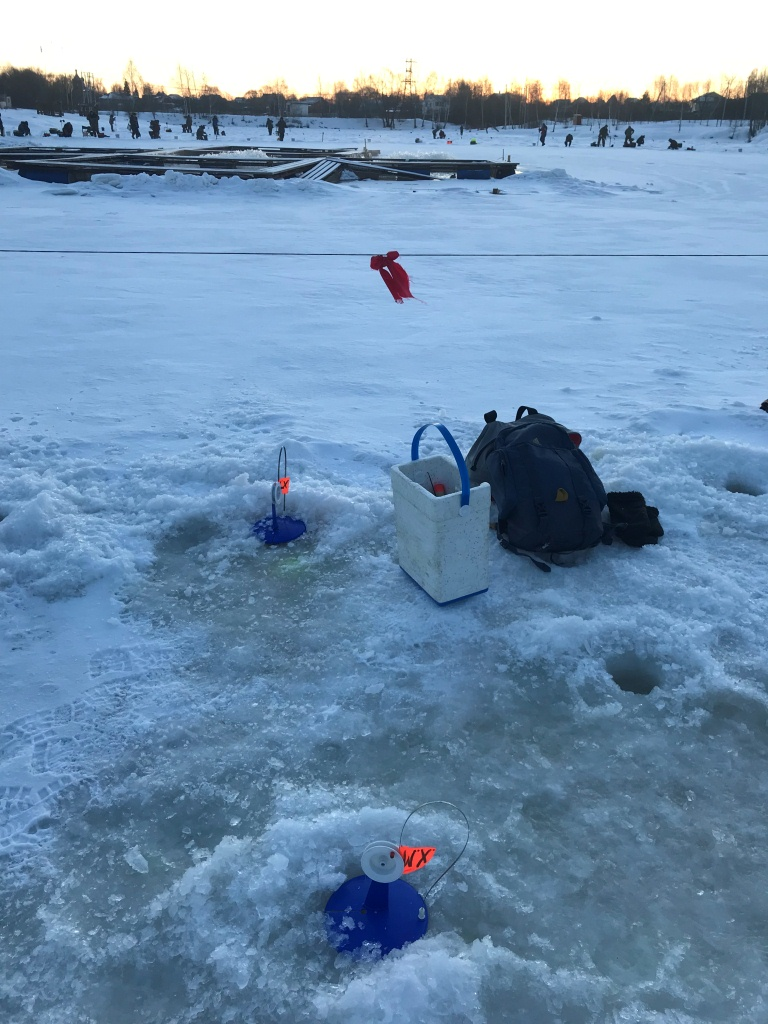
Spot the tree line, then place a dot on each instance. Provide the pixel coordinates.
(472, 103)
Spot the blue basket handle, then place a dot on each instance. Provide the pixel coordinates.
(463, 474)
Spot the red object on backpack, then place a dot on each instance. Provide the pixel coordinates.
(394, 276)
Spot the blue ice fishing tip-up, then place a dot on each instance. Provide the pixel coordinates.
(377, 911)
(274, 528)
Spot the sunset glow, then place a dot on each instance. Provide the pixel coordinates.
(313, 47)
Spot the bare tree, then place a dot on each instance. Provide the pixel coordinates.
(131, 75)
(185, 83)
(564, 90)
(534, 92)
(430, 84)
(133, 78)
(280, 87)
(210, 92)
(756, 100)
(726, 85)
(371, 97)
(757, 81)
(707, 89)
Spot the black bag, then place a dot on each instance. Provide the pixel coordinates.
(548, 496)
(634, 522)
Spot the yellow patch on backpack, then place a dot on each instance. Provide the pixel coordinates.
(562, 494)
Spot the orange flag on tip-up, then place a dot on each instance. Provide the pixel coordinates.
(416, 857)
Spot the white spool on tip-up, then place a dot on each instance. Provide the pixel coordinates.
(381, 861)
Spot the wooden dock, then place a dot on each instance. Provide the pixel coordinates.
(67, 166)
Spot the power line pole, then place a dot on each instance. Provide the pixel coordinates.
(408, 87)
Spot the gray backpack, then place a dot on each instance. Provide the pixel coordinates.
(548, 496)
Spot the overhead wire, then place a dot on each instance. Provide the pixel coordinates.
(407, 255)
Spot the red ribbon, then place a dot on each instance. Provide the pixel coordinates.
(394, 276)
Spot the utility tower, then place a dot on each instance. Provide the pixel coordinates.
(408, 88)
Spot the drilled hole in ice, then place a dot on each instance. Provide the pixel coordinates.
(737, 711)
(632, 674)
(40, 825)
(739, 486)
(190, 534)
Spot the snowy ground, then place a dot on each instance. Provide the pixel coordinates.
(200, 734)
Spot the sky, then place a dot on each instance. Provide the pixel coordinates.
(602, 47)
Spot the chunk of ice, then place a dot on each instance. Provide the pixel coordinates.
(136, 860)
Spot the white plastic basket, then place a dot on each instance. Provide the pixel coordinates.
(442, 540)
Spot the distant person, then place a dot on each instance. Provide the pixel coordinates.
(154, 128)
(674, 144)
(602, 135)
(281, 126)
(215, 123)
(543, 134)
(2, 129)
(93, 123)
(66, 131)
(441, 134)
(628, 133)
(22, 130)
(568, 139)
(434, 132)
(201, 134)
(133, 124)
(461, 131)
(111, 120)
(187, 126)
(270, 125)
(640, 140)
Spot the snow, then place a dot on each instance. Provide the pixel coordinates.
(200, 734)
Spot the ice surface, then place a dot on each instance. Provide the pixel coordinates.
(200, 734)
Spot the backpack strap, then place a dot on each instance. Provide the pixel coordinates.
(526, 408)
(505, 543)
(526, 554)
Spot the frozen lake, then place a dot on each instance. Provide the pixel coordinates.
(200, 734)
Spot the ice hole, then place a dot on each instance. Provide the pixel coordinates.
(632, 674)
(40, 825)
(739, 712)
(739, 486)
(190, 534)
